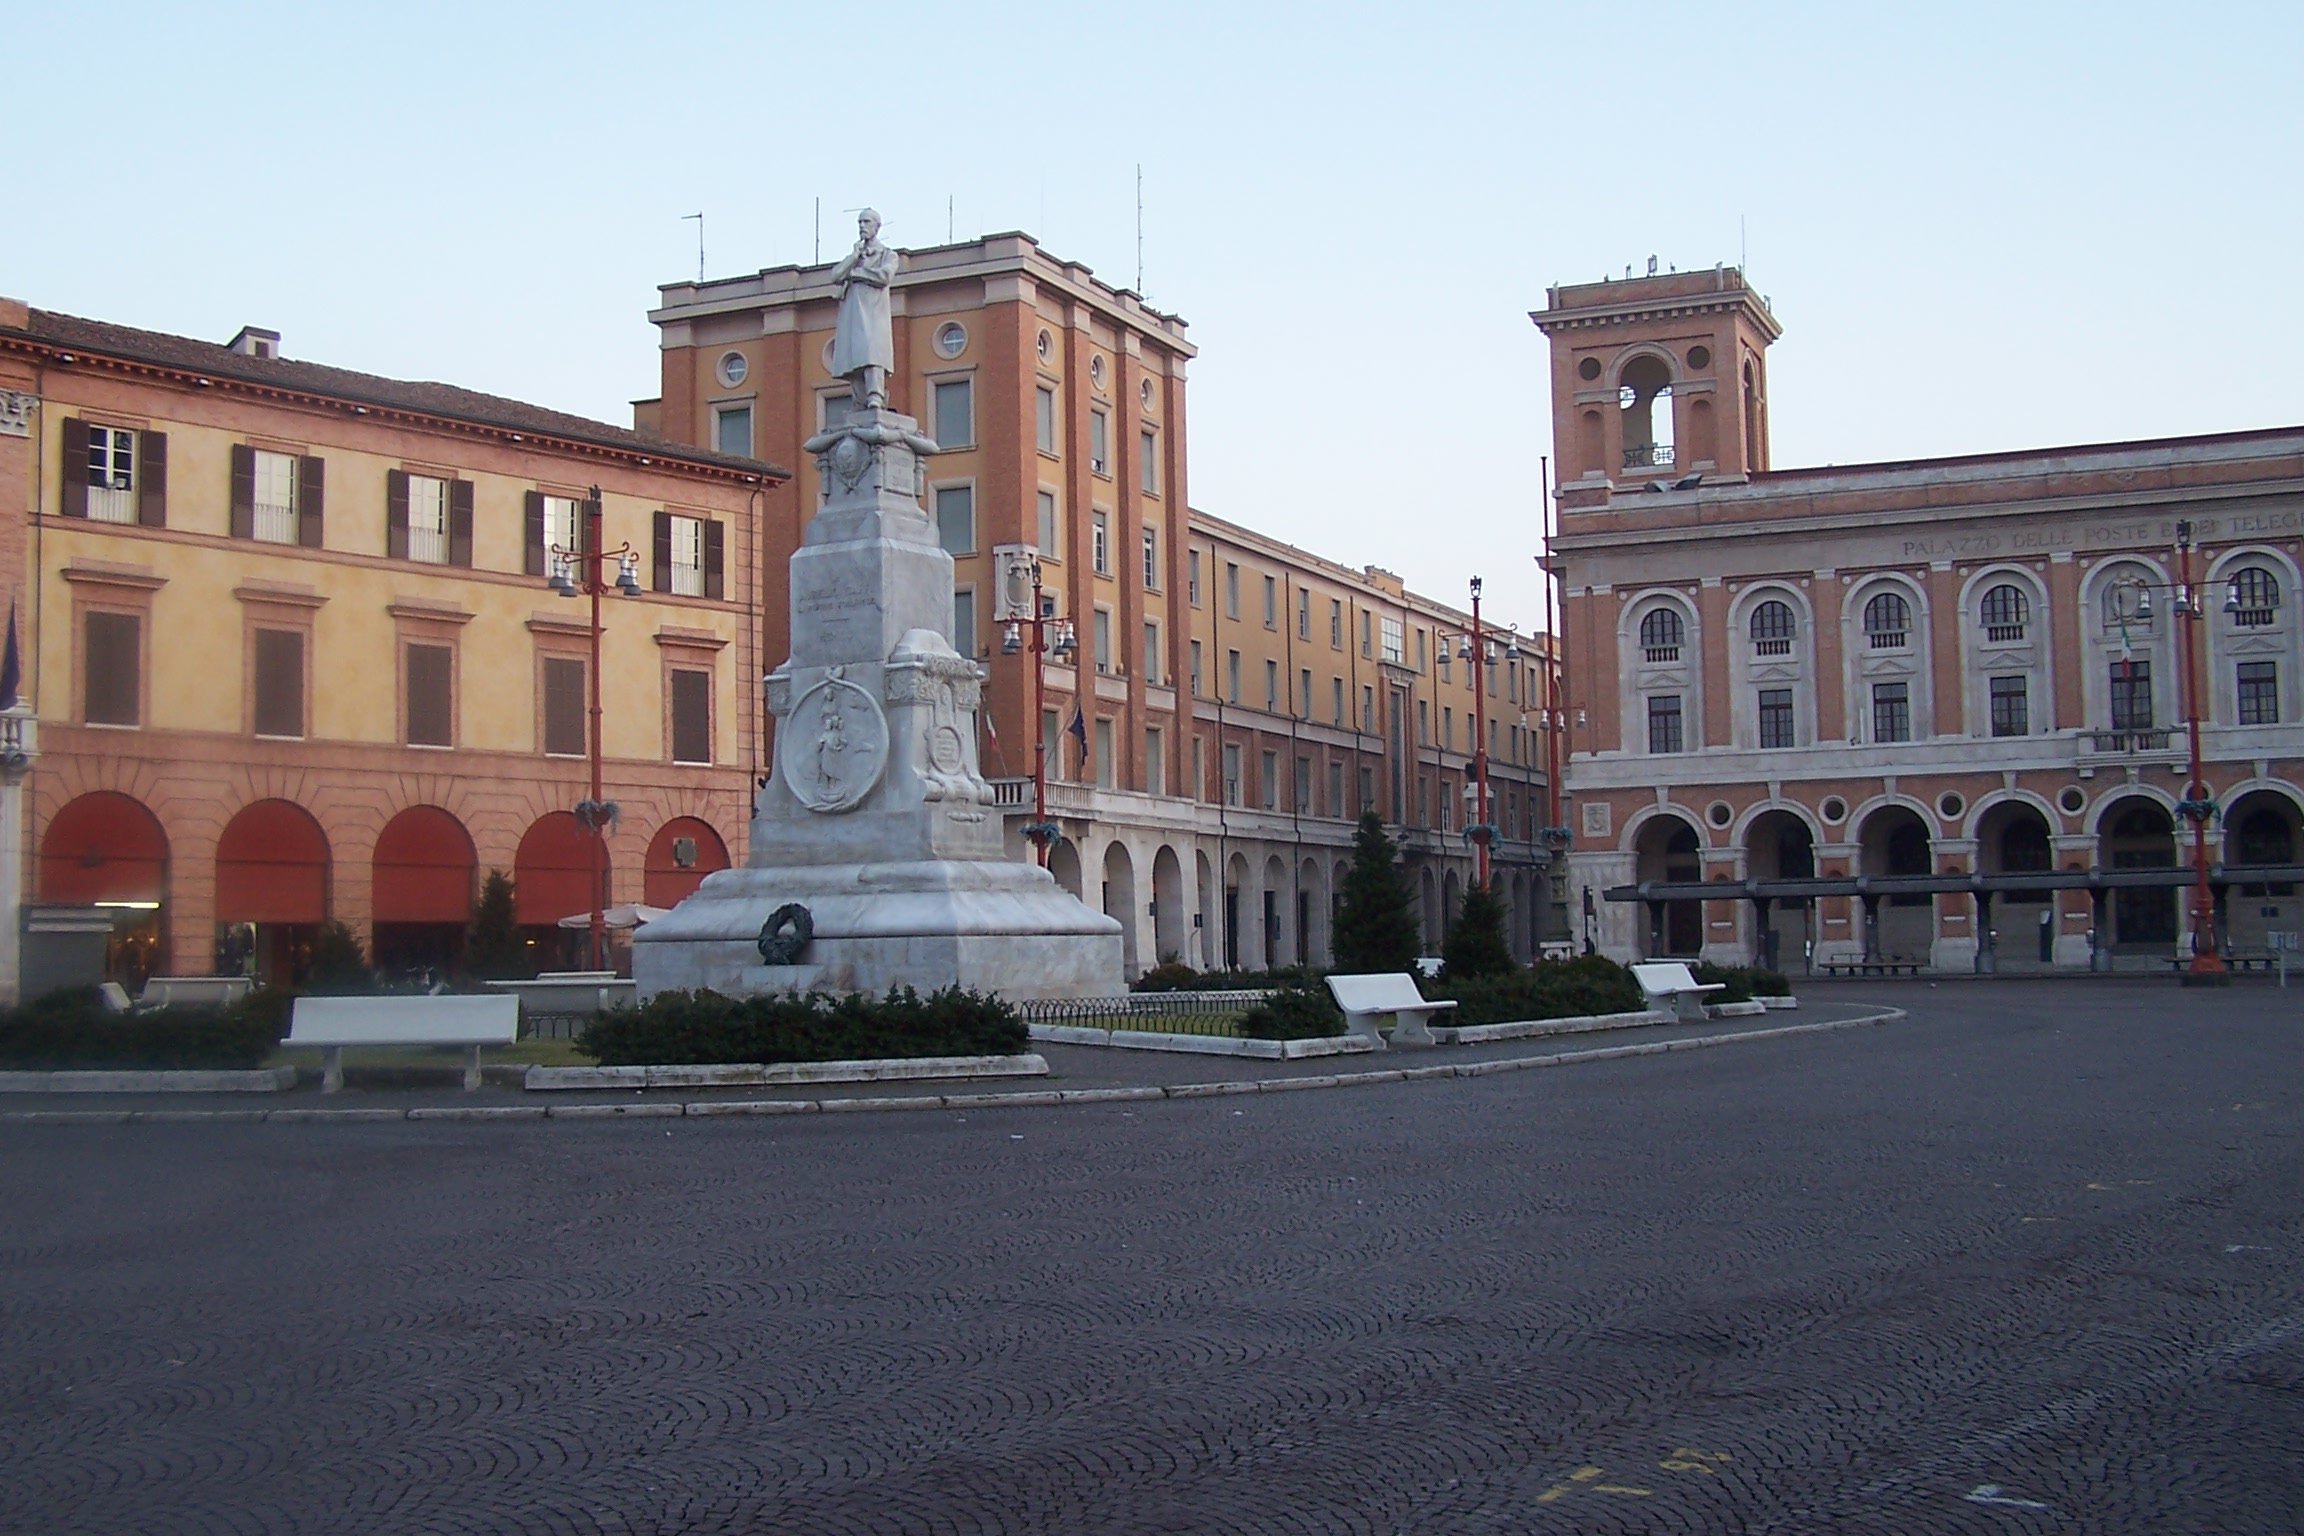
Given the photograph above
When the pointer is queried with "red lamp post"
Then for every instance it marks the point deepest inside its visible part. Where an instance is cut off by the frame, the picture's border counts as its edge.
(1051, 636)
(577, 572)
(1475, 651)
(2198, 804)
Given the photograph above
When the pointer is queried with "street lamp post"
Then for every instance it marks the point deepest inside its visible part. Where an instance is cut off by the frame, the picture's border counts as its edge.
(578, 572)
(1475, 651)
(1051, 636)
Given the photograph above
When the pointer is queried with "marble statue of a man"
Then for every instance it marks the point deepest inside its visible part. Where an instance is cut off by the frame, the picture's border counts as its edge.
(863, 340)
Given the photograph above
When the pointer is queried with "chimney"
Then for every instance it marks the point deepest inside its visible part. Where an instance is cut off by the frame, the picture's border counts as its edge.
(254, 341)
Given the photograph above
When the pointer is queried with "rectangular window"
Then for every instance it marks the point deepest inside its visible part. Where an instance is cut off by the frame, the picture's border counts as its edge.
(1367, 788)
(1303, 614)
(1052, 742)
(562, 515)
(1044, 419)
(1394, 634)
(732, 430)
(1367, 708)
(1048, 526)
(1776, 717)
(2011, 708)
(1336, 623)
(1198, 681)
(1272, 686)
(1336, 699)
(428, 519)
(563, 706)
(1447, 726)
(955, 413)
(1100, 543)
(1150, 480)
(112, 479)
(2132, 694)
(1105, 769)
(1891, 711)
(956, 518)
(964, 620)
(1271, 603)
(1335, 787)
(1099, 446)
(1152, 652)
(836, 408)
(2259, 693)
(1155, 762)
(691, 716)
(279, 702)
(687, 556)
(1231, 774)
(1231, 590)
(111, 665)
(1192, 577)
(431, 696)
(1199, 767)
(1664, 724)
(1151, 559)
(275, 497)
(1303, 786)
(1304, 693)
(1270, 785)
(1366, 646)
(1100, 628)
(1231, 677)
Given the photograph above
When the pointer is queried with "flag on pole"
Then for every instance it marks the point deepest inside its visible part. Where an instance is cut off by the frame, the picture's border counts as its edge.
(11, 666)
(1079, 732)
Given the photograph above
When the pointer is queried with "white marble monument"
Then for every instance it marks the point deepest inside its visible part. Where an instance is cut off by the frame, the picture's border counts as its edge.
(876, 854)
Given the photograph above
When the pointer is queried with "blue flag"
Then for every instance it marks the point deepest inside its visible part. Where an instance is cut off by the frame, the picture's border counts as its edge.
(11, 666)
(1079, 730)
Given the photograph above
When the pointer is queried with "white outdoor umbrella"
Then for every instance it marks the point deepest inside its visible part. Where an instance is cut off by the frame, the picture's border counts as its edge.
(630, 915)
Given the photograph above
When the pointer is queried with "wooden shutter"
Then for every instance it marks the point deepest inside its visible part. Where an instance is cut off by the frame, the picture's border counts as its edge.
(74, 502)
(243, 491)
(430, 696)
(460, 522)
(564, 707)
(279, 670)
(534, 560)
(111, 670)
(152, 479)
(396, 513)
(311, 499)
(663, 551)
(715, 557)
(691, 716)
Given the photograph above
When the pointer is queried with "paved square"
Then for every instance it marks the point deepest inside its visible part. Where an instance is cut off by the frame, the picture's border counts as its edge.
(2025, 1262)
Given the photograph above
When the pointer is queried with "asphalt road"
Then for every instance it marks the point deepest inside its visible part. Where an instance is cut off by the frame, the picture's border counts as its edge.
(2026, 1262)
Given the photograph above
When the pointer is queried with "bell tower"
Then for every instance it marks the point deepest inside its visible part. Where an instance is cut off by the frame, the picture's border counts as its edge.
(1658, 382)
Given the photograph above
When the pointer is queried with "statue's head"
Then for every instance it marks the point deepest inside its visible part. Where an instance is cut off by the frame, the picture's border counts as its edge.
(868, 225)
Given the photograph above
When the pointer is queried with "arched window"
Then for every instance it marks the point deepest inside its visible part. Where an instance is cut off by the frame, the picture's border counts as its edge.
(2263, 837)
(2128, 603)
(2006, 612)
(1773, 628)
(1644, 395)
(1660, 635)
(2254, 597)
(1887, 620)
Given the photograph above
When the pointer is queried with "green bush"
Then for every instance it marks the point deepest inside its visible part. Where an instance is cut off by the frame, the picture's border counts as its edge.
(1766, 983)
(1176, 977)
(1553, 989)
(73, 1030)
(1475, 945)
(338, 966)
(1294, 1013)
(1374, 929)
(1736, 978)
(1167, 976)
(699, 1028)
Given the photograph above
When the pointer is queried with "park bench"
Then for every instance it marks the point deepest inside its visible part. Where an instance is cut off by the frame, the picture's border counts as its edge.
(193, 991)
(1668, 982)
(1870, 968)
(467, 1022)
(1366, 999)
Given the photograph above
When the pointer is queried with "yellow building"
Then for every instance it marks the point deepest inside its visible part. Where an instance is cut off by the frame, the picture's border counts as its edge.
(294, 655)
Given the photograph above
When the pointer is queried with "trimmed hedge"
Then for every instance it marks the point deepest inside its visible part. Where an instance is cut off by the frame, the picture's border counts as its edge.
(1553, 989)
(1175, 976)
(1294, 1013)
(706, 1028)
(73, 1030)
(1744, 982)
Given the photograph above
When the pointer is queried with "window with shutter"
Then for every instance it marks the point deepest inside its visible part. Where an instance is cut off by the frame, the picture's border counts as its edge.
(427, 520)
(109, 482)
(111, 664)
(272, 498)
(691, 716)
(563, 707)
(431, 704)
(279, 703)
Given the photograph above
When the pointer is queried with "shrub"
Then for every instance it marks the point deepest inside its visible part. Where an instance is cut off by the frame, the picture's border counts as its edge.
(1167, 976)
(1374, 931)
(1736, 978)
(1766, 983)
(1554, 989)
(73, 1029)
(493, 948)
(338, 966)
(1182, 978)
(1476, 946)
(1294, 1013)
(698, 1028)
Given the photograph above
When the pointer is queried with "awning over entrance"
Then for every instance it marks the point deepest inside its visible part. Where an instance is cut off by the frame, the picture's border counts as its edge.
(553, 872)
(424, 868)
(1928, 885)
(104, 847)
(272, 866)
(683, 851)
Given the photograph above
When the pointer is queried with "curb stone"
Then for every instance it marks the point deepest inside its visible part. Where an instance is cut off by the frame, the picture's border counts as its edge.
(1047, 1098)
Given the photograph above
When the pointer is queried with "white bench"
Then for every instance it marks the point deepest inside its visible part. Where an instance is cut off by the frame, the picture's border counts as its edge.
(194, 991)
(1668, 982)
(468, 1022)
(1366, 999)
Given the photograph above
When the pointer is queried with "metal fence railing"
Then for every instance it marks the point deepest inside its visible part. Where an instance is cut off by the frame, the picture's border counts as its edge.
(1169, 1013)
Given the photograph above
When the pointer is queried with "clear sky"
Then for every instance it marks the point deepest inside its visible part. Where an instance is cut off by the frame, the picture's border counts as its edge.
(1983, 226)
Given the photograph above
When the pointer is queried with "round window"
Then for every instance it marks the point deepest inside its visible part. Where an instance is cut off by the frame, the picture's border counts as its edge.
(1144, 392)
(2073, 800)
(1949, 806)
(1589, 369)
(1096, 370)
(1045, 346)
(827, 354)
(1720, 813)
(1835, 810)
(1699, 357)
(952, 338)
(733, 368)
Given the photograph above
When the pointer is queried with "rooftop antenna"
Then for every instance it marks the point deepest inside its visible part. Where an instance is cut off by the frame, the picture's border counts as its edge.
(1743, 259)
(1139, 229)
(818, 259)
(950, 238)
(699, 218)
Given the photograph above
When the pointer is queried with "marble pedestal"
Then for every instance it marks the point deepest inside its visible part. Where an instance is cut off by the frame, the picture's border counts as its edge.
(875, 817)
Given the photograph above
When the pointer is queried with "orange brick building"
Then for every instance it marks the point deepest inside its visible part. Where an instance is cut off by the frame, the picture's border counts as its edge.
(293, 657)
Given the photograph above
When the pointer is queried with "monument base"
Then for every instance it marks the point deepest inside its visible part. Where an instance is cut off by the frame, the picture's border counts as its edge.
(992, 927)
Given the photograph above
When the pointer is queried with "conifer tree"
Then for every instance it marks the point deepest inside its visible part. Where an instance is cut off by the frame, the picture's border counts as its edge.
(1476, 944)
(1374, 931)
(493, 949)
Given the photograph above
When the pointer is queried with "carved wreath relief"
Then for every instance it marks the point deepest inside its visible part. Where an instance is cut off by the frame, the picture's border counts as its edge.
(833, 746)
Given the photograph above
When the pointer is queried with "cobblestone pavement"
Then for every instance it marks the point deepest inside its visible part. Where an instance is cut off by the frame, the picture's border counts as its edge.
(2027, 1262)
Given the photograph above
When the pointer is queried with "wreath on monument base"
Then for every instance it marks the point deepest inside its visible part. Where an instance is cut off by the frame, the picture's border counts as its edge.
(785, 937)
